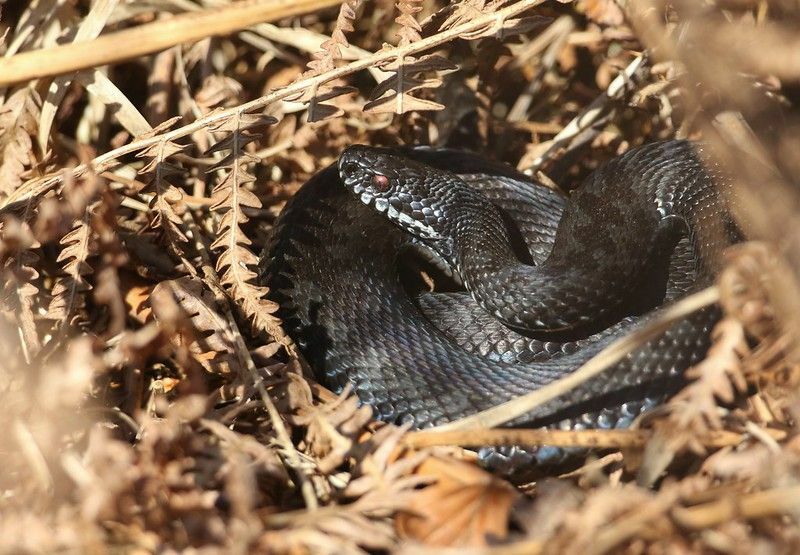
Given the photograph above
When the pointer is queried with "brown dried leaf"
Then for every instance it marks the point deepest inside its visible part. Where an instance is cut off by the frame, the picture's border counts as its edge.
(466, 506)
(218, 91)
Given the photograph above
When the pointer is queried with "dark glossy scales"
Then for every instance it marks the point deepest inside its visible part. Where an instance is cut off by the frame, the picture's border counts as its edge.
(332, 265)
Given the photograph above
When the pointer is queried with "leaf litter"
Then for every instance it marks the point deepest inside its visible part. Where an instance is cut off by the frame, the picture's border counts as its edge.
(151, 400)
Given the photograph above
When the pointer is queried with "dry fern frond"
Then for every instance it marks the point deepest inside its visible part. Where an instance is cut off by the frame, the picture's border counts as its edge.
(56, 215)
(331, 427)
(718, 377)
(74, 209)
(336, 531)
(382, 486)
(394, 94)
(229, 198)
(332, 48)
(20, 279)
(694, 411)
(384, 477)
(214, 346)
(744, 287)
(410, 28)
(165, 203)
(317, 95)
(67, 297)
(750, 291)
(325, 60)
(18, 123)
(500, 28)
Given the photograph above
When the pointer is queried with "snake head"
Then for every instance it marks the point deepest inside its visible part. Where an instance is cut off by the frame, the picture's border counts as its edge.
(409, 193)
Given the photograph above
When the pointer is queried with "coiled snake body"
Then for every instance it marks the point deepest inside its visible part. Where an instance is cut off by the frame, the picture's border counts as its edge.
(550, 283)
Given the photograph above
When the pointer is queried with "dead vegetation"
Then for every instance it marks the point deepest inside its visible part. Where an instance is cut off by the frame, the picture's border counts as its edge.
(150, 400)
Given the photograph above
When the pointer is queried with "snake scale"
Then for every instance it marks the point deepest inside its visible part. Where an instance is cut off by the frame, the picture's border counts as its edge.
(549, 282)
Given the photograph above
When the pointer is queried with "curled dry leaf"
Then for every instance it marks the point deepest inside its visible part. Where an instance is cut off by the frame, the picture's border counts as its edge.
(217, 91)
(465, 506)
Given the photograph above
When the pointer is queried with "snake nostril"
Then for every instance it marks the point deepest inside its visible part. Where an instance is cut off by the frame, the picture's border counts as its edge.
(348, 169)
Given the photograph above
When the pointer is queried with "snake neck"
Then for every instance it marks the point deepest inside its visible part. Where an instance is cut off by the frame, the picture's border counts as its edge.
(526, 297)
(588, 275)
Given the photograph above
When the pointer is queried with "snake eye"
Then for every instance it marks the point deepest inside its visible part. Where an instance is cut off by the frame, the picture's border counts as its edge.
(380, 183)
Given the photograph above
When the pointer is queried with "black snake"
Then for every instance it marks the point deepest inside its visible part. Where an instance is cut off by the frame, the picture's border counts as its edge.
(550, 282)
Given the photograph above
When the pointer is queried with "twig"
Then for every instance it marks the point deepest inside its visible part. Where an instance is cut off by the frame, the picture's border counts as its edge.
(592, 439)
(150, 37)
(612, 354)
(552, 42)
(632, 524)
(106, 161)
(590, 114)
(753, 505)
(33, 455)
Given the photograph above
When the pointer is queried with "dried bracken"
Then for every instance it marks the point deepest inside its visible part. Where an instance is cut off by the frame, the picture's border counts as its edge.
(230, 198)
(18, 123)
(166, 201)
(151, 400)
